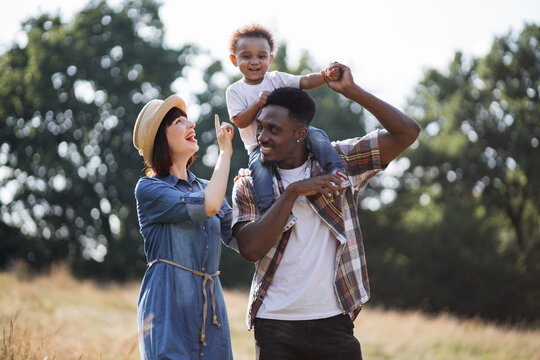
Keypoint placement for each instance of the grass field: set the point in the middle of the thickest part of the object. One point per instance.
(58, 317)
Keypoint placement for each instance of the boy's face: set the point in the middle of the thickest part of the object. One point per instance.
(253, 58)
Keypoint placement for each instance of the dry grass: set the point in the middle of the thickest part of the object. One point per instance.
(413, 335)
(58, 317)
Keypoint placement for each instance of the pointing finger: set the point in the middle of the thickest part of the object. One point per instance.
(218, 127)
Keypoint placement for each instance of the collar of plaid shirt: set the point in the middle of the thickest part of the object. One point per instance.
(351, 280)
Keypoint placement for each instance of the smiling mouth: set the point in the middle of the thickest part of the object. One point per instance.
(191, 137)
(265, 149)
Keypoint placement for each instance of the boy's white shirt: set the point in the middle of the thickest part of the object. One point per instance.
(240, 95)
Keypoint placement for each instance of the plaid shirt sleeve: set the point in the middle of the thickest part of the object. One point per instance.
(243, 199)
(361, 157)
(362, 161)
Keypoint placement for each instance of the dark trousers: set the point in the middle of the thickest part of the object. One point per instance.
(329, 338)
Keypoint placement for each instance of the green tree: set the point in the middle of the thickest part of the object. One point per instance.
(466, 234)
(490, 107)
(68, 102)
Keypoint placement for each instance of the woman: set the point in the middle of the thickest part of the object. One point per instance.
(181, 311)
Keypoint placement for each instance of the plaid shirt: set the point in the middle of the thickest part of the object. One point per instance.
(362, 161)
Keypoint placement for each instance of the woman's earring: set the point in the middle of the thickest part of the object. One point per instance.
(297, 140)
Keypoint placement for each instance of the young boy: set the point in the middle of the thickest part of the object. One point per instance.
(251, 50)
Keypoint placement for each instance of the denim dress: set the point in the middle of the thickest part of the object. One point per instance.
(175, 228)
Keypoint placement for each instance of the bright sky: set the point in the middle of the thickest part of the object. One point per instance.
(387, 43)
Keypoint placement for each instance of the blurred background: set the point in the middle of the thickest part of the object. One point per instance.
(453, 224)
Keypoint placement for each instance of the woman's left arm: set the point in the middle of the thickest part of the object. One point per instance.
(214, 193)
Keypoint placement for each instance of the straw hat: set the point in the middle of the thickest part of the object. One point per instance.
(148, 121)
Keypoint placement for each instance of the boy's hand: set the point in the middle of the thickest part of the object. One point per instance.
(333, 73)
(262, 98)
(345, 80)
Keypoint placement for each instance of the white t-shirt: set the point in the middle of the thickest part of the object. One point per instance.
(303, 285)
(240, 95)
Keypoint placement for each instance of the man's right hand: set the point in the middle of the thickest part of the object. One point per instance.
(255, 238)
(327, 185)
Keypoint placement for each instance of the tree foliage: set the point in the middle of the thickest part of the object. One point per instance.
(68, 102)
(69, 99)
(466, 234)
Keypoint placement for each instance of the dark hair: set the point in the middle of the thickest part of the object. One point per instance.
(300, 105)
(161, 155)
(253, 30)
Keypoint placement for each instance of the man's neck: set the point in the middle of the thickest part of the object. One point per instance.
(292, 162)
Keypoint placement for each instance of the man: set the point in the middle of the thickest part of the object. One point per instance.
(310, 279)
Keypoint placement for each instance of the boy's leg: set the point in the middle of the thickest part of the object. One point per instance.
(262, 181)
(318, 143)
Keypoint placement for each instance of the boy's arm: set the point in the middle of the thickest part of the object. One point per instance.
(312, 81)
(316, 80)
(245, 117)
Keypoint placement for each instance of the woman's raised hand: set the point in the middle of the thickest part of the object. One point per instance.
(224, 135)
(215, 191)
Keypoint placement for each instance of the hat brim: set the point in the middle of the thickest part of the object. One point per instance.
(148, 123)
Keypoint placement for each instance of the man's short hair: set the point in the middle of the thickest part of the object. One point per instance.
(253, 30)
(300, 105)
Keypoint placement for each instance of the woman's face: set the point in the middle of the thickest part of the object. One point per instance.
(181, 138)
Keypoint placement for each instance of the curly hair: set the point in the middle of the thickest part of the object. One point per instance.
(300, 105)
(253, 30)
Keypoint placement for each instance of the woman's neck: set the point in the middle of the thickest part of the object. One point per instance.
(179, 170)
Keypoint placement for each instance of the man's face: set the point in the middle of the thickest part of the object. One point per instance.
(277, 136)
(253, 58)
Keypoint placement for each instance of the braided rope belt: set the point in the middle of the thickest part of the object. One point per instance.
(206, 277)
